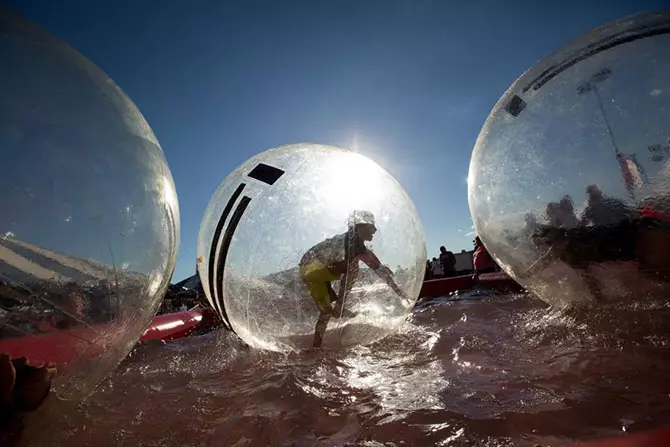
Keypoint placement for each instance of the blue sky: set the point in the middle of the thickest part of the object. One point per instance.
(409, 83)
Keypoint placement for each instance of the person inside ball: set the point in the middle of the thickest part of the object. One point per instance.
(335, 259)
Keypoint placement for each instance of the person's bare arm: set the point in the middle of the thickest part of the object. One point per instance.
(371, 260)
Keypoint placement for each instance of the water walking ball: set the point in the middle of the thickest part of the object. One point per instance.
(278, 227)
(569, 182)
(89, 223)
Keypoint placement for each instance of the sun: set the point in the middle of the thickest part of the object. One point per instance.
(352, 181)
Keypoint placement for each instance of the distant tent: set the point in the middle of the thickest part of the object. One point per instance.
(24, 263)
(191, 283)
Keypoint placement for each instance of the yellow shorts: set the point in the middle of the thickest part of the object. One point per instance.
(316, 276)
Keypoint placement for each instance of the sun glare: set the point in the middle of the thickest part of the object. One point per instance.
(356, 182)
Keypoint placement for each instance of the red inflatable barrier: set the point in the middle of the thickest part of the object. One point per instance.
(654, 438)
(498, 281)
(61, 346)
(178, 324)
(651, 213)
(444, 286)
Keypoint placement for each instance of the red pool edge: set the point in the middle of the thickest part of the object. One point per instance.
(180, 324)
(62, 346)
(444, 286)
(656, 438)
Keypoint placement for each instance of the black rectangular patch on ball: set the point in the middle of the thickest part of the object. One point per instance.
(266, 173)
(515, 105)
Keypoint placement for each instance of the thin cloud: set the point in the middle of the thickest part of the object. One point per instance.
(472, 227)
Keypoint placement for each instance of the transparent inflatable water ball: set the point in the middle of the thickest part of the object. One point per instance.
(89, 221)
(569, 184)
(310, 245)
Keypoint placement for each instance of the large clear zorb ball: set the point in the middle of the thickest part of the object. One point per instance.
(568, 184)
(278, 232)
(89, 223)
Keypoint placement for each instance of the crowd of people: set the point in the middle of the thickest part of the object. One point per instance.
(600, 210)
(178, 299)
(606, 230)
(445, 266)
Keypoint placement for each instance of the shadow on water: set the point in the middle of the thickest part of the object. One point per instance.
(475, 368)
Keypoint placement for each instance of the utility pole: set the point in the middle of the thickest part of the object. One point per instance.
(592, 86)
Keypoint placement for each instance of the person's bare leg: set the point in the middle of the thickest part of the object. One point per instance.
(337, 308)
(321, 326)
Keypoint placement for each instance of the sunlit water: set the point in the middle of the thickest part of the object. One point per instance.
(474, 369)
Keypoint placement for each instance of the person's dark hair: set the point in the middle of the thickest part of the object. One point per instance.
(566, 203)
(593, 189)
(443, 248)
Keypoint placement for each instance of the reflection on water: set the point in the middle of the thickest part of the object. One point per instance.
(474, 369)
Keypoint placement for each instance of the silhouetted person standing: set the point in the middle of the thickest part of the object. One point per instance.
(602, 210)
(448, 261)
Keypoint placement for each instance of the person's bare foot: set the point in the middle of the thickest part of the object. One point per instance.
(7, 380)
(22, 388)
(32, 384)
